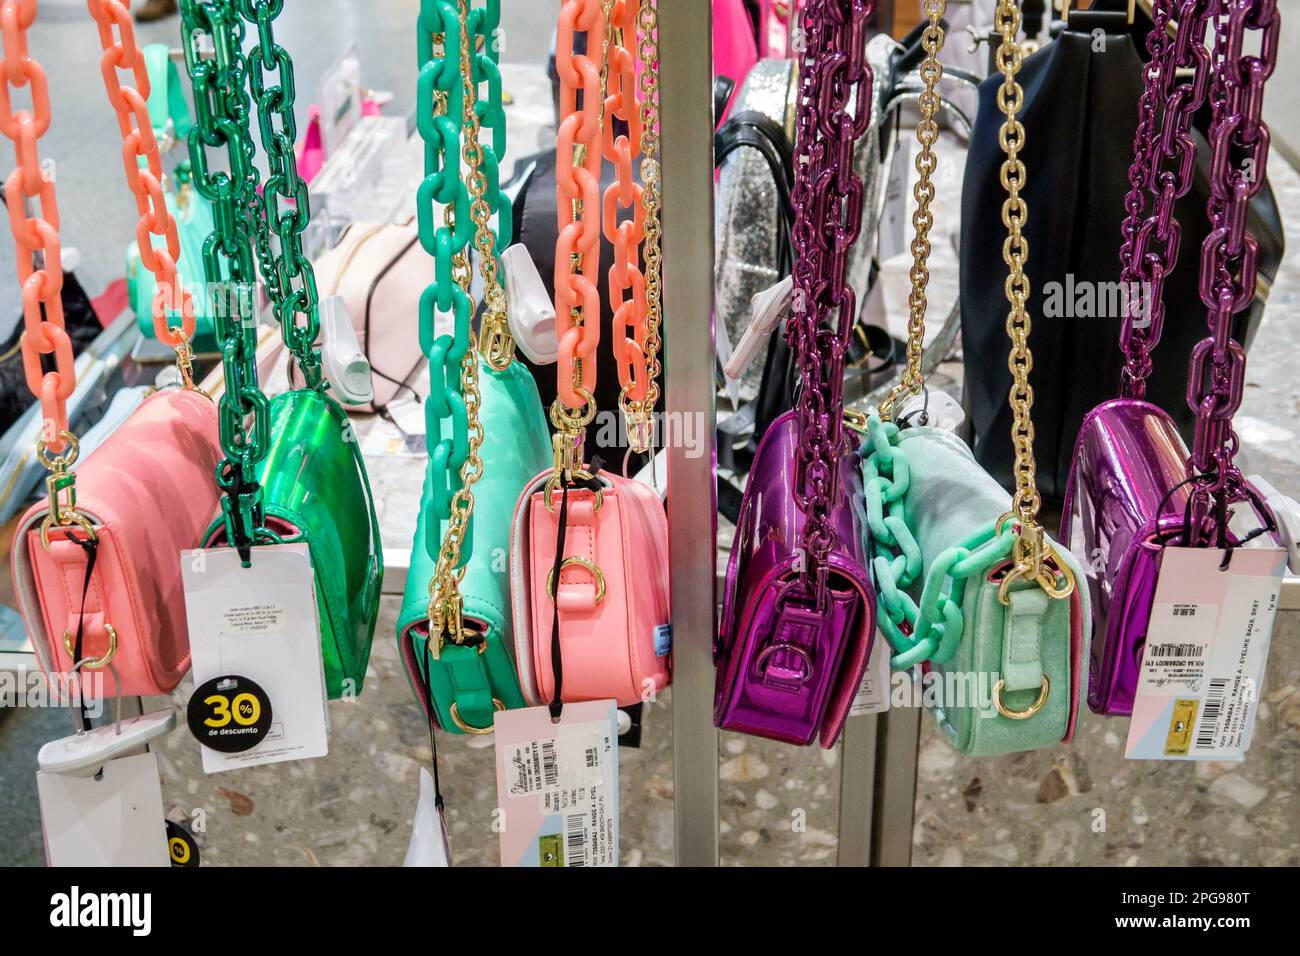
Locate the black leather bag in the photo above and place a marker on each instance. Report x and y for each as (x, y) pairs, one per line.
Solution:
(1079, 114)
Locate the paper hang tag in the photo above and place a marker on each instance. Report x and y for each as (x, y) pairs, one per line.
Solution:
(114, 819)
(873, 693)
(557, 785)
(259, 623)
(530, 312)
(767, 309)
(1206, 647)
(932, 407)
(429, 845)
(894, 221)
(345, 363)
(82, 755)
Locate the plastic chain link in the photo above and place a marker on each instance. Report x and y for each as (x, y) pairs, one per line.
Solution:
(835, 88)
(34, 218)
(627, 283)
(140, 146)
(212, 39)
(1239, 140)
(286, 271)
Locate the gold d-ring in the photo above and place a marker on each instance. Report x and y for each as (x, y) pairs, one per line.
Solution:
(97, 662)
(470, 728)
(574, 561)
(1028, 712)
(553, 485)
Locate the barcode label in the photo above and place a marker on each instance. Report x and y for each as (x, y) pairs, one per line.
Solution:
(1185, 610)
(1177, 650)
(575, 841)
(1210, 711)
(550, 766)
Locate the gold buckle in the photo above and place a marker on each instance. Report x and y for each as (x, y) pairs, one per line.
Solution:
(1028, 712)
(575, 561)
(470, 728)
(93, 663)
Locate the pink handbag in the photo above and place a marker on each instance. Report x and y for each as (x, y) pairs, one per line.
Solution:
(148, 493)
(611, 602)
(380, 271)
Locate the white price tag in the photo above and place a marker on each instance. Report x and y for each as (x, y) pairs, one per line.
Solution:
(115, 819)
(260, 623)
(873, 692)
(1205, 652)
(429, 845)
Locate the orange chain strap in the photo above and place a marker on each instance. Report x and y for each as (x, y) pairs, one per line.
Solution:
(627, 284)
(36, 233)
(138, 142)
(577, 248)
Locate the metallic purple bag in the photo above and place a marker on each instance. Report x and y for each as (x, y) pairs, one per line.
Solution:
(1134, 487)
(799, 612)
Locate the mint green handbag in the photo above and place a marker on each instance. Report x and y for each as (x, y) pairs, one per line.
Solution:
(170, 116)
(941, 542)
(468, 682)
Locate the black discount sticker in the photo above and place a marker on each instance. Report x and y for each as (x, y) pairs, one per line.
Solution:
(181, 846)
(229, 714)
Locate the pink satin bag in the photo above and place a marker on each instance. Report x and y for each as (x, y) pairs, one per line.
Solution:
(612, 593)
(380, 270)
(150, 492)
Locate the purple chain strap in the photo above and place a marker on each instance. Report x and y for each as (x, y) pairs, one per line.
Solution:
(1239, 140)
(1164, 159)
(827, 198)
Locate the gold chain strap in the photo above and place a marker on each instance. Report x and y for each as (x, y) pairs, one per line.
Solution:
(648, 50)
(1030, 551)
(927, 133)
(446, 608)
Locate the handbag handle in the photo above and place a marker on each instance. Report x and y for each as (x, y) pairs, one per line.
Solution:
(1031, 552)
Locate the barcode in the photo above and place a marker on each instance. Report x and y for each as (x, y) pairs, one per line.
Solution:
(591, 756)
(575, 846)
(1178, 650)
(1185, 610)
(1210, 713)
(550, 766)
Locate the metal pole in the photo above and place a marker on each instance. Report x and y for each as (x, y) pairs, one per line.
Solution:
(857, 790)
(686, 127)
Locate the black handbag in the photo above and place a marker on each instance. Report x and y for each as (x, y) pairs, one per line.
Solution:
(1079, 114)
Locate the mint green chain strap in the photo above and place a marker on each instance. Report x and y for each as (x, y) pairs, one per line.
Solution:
(439, 109)
(931, 629)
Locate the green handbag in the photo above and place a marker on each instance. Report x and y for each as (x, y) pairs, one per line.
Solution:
(193, 213)
(467, 683)
(487, 431)
(292, 470)
(1007, 677)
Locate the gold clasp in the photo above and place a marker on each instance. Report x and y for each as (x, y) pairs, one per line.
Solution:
(470, 728)
(575, 561)
(1029, 711)
(93, 663)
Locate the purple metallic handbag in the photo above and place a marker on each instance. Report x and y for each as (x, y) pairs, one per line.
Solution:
(1134, 487)
(798, 614)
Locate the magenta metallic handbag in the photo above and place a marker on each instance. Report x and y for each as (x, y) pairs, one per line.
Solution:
(798, 614)
(1134, 487)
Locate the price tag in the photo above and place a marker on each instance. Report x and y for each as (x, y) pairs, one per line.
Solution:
(557, 785)
(429, 845)
(255, 639)
(873, 692)
(1205, 652)
(113, 819)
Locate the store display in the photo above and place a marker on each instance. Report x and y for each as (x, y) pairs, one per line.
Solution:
(798, 614)
(294, 472)
(1136, 489)
(855, 489)
(589, 549)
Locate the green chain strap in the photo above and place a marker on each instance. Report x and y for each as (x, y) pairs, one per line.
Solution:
(439, 109)
(288, 275)
(221, 108)
(932, 629)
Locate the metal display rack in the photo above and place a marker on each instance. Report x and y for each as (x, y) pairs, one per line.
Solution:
(878, 783)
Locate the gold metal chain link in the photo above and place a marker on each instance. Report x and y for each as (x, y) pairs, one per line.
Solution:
(1030, 552)
(648, 50)
(927, 133)
(446, 607)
